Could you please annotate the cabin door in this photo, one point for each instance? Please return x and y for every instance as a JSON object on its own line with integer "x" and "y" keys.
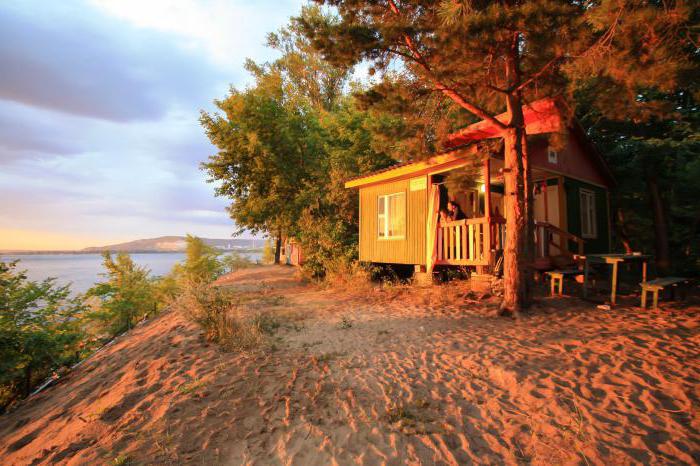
{"x": 547, "y": 209}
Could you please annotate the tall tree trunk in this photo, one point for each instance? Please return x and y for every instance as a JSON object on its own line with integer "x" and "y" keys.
{"x": 278, "y": 246}
{"x": 658, "y": 207}
{"x": 514, "y": 254}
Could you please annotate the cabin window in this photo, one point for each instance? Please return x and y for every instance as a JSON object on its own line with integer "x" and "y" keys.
{"x": 552, "y": 156}
{"x": 391, "y": 216}
{"x": 589, "y": 229}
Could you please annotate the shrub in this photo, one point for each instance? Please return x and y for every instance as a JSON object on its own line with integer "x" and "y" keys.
{"x": 125, "y": 297}
{"x": 201, "y": 263}
{"x": 216, "y": 310}
{"x": 268, "y": 256}
{"x": 40, "y": 331}
{"x": 234, "y": 261}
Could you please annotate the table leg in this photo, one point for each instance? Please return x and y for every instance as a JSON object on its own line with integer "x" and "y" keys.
{"x": 613, "y": 292}
{"x": 551, "y": 285}
{"x": 644, "y": 298}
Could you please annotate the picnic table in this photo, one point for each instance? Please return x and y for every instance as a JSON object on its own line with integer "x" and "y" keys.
{"x": 614, "y": 260}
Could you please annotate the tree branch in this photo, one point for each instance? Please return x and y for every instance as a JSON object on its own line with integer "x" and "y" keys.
{"x": 537, "y": 75}
{"x": 440, "y": 86}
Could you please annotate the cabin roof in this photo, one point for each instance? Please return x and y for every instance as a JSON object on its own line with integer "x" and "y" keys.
{"x": 541, "y": 116}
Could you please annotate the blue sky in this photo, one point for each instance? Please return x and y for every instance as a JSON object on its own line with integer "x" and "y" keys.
{"x": 99, "y": 105}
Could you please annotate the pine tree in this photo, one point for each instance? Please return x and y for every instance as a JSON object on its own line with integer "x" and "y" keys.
{"x": 485, "y": 57}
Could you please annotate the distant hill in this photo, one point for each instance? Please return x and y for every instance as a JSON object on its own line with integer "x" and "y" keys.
{"x": 177, "y": 244}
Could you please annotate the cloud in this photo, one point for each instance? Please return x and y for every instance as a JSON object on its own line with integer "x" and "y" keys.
{"x": 100, "y": 67}
{"x": 227, "y": 31}
{"x": 99, "y": 107}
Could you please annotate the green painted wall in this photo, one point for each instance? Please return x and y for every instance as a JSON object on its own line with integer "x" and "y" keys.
{"x": 572, "y": 189}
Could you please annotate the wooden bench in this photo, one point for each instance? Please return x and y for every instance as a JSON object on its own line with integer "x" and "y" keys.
{"x": 558, "y": 275}
{"x": 659, "y": 284}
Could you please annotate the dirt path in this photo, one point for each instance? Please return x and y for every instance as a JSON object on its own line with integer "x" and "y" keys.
{"x": 399, "y": 376}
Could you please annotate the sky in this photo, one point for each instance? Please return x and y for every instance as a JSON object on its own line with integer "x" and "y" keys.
{"x": 99, "y": 105}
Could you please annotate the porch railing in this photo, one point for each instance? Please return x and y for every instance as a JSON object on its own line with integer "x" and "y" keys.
{"x": 464, "y": 242}
{"x": 545, "y": 242}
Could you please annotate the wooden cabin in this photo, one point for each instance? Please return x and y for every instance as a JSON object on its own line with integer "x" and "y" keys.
{"x": 292, "y": 252}
{"x": 399, "y": 221}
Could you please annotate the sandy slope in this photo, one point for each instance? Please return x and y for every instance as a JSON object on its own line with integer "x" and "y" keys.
{"x": 367, "y": 377}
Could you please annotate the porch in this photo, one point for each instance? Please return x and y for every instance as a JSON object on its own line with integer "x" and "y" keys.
{"x": 479, "y": 239}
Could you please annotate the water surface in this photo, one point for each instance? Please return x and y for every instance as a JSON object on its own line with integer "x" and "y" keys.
{"x": 82, "y": 271}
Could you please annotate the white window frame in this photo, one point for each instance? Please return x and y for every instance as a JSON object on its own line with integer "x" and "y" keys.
{"x": 588, "y": 210}
{"x": 383, "y": 218}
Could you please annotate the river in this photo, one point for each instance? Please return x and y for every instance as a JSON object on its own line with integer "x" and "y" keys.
{"x": 82, "y": 271}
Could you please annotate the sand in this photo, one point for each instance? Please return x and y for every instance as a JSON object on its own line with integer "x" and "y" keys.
{"x": 366, "y": 376}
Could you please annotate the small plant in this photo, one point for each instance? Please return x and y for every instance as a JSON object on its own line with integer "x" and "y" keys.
{"x": 382, "y": 332}
{"x": 327, "y": 357}
{"x": 266, "y": 323}
{"x": 309, "y": 345}
{"x": 121, "y": 460}
{"x": 217, "y": 311}
{"x": 344, "y": 323}
{"x": 399, "y": 413}
{"x": 191, "y": 387}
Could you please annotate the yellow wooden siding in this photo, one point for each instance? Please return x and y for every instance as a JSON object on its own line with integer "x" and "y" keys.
{"x": 410, "y": 249}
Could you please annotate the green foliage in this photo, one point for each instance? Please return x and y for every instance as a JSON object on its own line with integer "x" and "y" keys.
{"x": 125, "y": 297}
{"x": 268, "y": 256}
{"x": 465, "y": 46}
{"x": 215, "y": 310}
{"x": 656, "y": 160}
{"x": 201, "y": 265}
{"x": 233, "y": 261}
{"x": 287, "y": 144}
{"x": 327, "y": 228}
{"x": 40, "y": 331}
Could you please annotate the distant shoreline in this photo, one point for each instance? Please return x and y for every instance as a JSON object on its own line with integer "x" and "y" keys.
{"x": 136, "y": 251}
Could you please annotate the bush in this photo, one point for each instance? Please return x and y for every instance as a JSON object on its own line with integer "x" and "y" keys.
{"x": 126, "y": 297}
{"x": 234, "y": 261}
{"x": 268, "y": 256}
{"x": 216, "y": 310}
{"x": 201, "y": 263}
{"x": 40, "y": 331}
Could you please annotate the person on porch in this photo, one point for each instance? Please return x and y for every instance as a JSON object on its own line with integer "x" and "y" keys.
{"x": 444, "y": 216}
{"x": 454, "y": 211}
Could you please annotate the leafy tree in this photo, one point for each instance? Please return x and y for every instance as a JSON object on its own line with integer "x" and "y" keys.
{"x": 268, "y": 136}
{"x": 201, "y": 265}
{"x": 125, "y": 297}
{"x": 328, "y": 226}
{"x": 40, "y": 331}
{"x": 484, "y": 57}
{"x": 656, "y": 162}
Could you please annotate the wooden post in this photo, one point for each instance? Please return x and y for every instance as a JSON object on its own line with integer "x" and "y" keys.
{"x": 551, "y": 285}
{"x": 546, "y": 204}
{"x": 487, "y": 189}
{"x": 488, "y": 246}
{"x": 613, "y": 292}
